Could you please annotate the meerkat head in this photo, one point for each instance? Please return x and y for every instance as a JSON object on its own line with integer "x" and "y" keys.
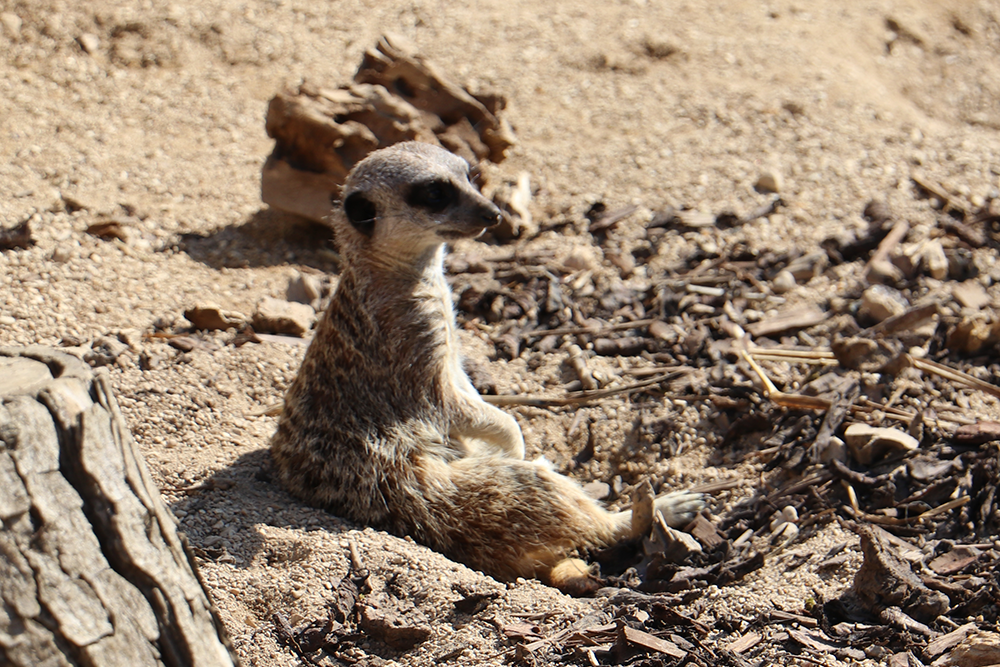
{"x": 407, "y": 199}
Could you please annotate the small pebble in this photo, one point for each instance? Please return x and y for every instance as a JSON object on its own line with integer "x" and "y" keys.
{"x": 880, "y": 302}
{"x": 769, "y": 181}
{"x": 12, "y": 23}
{"x": 783, "y": 282}
{"x": 89, "y": 42}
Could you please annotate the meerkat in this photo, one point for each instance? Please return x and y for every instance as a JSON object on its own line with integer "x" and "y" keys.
{"x": 382, "y": 425}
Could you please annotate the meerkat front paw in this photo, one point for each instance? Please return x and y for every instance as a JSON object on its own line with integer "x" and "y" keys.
{"x": 679, "y": 508}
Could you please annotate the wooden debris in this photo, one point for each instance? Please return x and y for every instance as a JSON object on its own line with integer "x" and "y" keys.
{"x": 978, "y": 649}
{"x": 879, "y": 267}
{"x": 395, "y": 622}
{"x": 978, "y": 433}
{"x": 579, "y": 364}
{"x": 802, "y": 317}
{"x": 939, "y": 645}
{"x": 744, "y": 643}
{"x": 321, "y": 133}
{"x": 608, "y": 219}
{"x": 948, "y": 202}
{"x": 513, "y": 200}
{"x": 819, "y": 642}
{"x": 955, "y": 560}
{"x": 705, "y": 532}
{"x": 582, "y": 397}
{"x": 884, "y": 581}
{"x": 650, "y": 642}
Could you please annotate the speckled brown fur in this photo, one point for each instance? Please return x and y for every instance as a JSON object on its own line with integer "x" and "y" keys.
{"x": 382, "y": 425}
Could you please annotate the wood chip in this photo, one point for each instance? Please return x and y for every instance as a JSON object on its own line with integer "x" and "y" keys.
{"x": 955, "y": 560}
{"x": 705, "y": 532}
{"x": 817, "y": 641}
{"x": 797, "y": 318}
{"x": 939, "y": 645}
{"x": 744, "y": 643}
{"x": 978, "y": 433}
{"x": 652, "y": 642}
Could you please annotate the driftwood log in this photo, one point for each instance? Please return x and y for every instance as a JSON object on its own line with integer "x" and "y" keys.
{"x": 320, "y": 133}
{"x": 92, "y": 569}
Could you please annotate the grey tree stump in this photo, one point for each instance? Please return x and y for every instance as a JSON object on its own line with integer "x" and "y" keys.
{"x": 92, "y": 569}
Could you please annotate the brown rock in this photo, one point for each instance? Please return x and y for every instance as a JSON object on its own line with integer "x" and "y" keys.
{"x": 304, "y": 288}
{"x": 210, "y": 317}
{"x": 283, "y": 317}
{"x": 880, "y": 303}
{"x": 769, "y": 181}
{"x": 971, "y": 294}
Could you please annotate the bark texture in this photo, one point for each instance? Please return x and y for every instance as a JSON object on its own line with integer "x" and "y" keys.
{"x": 92, "y": 569}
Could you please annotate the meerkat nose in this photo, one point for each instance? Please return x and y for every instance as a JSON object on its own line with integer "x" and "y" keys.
{"x": 490, "y": 214}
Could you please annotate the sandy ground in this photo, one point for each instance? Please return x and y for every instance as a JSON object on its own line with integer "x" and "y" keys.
{"x": 152, "y": 113}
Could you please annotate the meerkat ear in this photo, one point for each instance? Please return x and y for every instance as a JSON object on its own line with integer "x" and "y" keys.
{"x": 361, "y": 213}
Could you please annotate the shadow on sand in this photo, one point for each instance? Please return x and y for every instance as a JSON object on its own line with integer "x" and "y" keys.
{"x": 267, "y": 238}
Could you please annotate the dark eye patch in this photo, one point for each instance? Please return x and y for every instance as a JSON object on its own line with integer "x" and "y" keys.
{"x": 435, "y": 196}
{"x": 361, "y": 213}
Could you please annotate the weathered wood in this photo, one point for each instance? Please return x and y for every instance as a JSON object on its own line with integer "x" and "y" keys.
{"x": 321, "y": 133}
{"x": 93, "y": 571}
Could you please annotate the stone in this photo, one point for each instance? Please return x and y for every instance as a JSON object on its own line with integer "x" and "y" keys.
{"x": 769, "y": 180}
{"x": 90, "y": 43}
{"x": 935, "y": 261}
{"x": 211, "y": 316}
{"x": 880, "y": 302}
{"x": 304, "y": 288}
{"x": 971, "y": 294}
{"x": 283, "y": 317}
{"x": 581, "y": 258}
{"x": 973, "y": 334}
{"x": 11, "y": 23}
{"x": 105, "y": 351}
{"x": 783, "y": 282}
{"x": 871, "y": 443}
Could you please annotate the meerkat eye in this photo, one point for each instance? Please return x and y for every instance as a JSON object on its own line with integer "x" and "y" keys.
{"x": 361, "y": 213}
{"x": 433, "y": 195}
